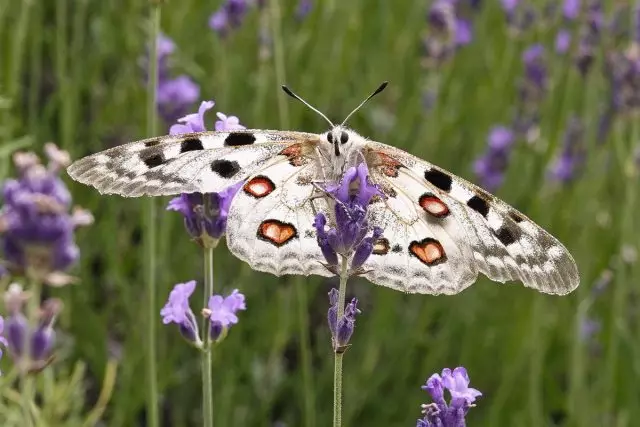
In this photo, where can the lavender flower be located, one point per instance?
(341, 329)
(205, 215)
(174, 95)
(571, 9)
(230, 15)
(563, 41)
(348, 237)
(572, 155)
(452, 414)
(177, 310)
(222, 313)
(303, 9)
(3, 340)
(490, 168)
(31, 349)
(449, 30)
(36, 225)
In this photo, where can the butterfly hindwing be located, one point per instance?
(270, 223)
(504, 244)
(204, 162)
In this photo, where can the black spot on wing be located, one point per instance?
(191, 144)
(505, 235)
(516, 216)
(151, 142)
(235, 139)
(225, 168)
(153, 160)
(479, 205)
(439, 179)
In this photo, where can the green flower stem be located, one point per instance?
(207, 363)
(337, 371)
(151, 244)
(206, 355)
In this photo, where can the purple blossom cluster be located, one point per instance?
(30, 347)
(205, 215)
(37, 224)
(341, 329)
(175, 94)
(452, 414)
(572, 155)
(229, 16)
(532, 87)
(347, 237)
(448, 29)
(221, 313)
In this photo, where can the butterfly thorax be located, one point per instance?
(341, 149)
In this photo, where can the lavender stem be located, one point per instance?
(337, 372)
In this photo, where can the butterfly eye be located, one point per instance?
(330, 138)
(344, 137)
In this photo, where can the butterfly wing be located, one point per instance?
(270, 223)
(186, 163)
(445, 229)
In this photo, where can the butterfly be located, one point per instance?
(440, 231)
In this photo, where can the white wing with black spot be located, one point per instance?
(186, 163)
(487, 234)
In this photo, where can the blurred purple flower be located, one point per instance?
(174, 95)
(571, 9)
(572, 155)
(341, 329)
(3, 340)
(177, 310)
(441, 414)
(222, 313)
(30, 348)
(490, 168)
(348, 237)
(534, 66)
(563, 41)
(36, 224)
(303, 9)
(589, 328)
(230, 15)
(509, 6)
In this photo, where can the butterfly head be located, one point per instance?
(340, 138)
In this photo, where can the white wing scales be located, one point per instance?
(505, 245)
(273, 231)
(204, 162)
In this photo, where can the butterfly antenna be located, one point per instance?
(375, 92)
(294, 96)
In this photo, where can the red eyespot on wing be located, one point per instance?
(259, 186)
(294, 153)
(428, 250)
(388, 165)
(276, 232)
(433, 205)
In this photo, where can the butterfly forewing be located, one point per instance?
(204, 162)
(505, 245)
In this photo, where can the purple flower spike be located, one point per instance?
(490, 168)
(572, 155)
(206, 224)
(352, 197)
(222, 313)
(230, 15)
(563, 41)
(571, 9)
(341, 329)
(175, 95)
(452, 414)
(36, 226)
(177, 310)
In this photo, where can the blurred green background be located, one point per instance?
(72, 72)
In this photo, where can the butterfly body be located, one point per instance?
(440, 231)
